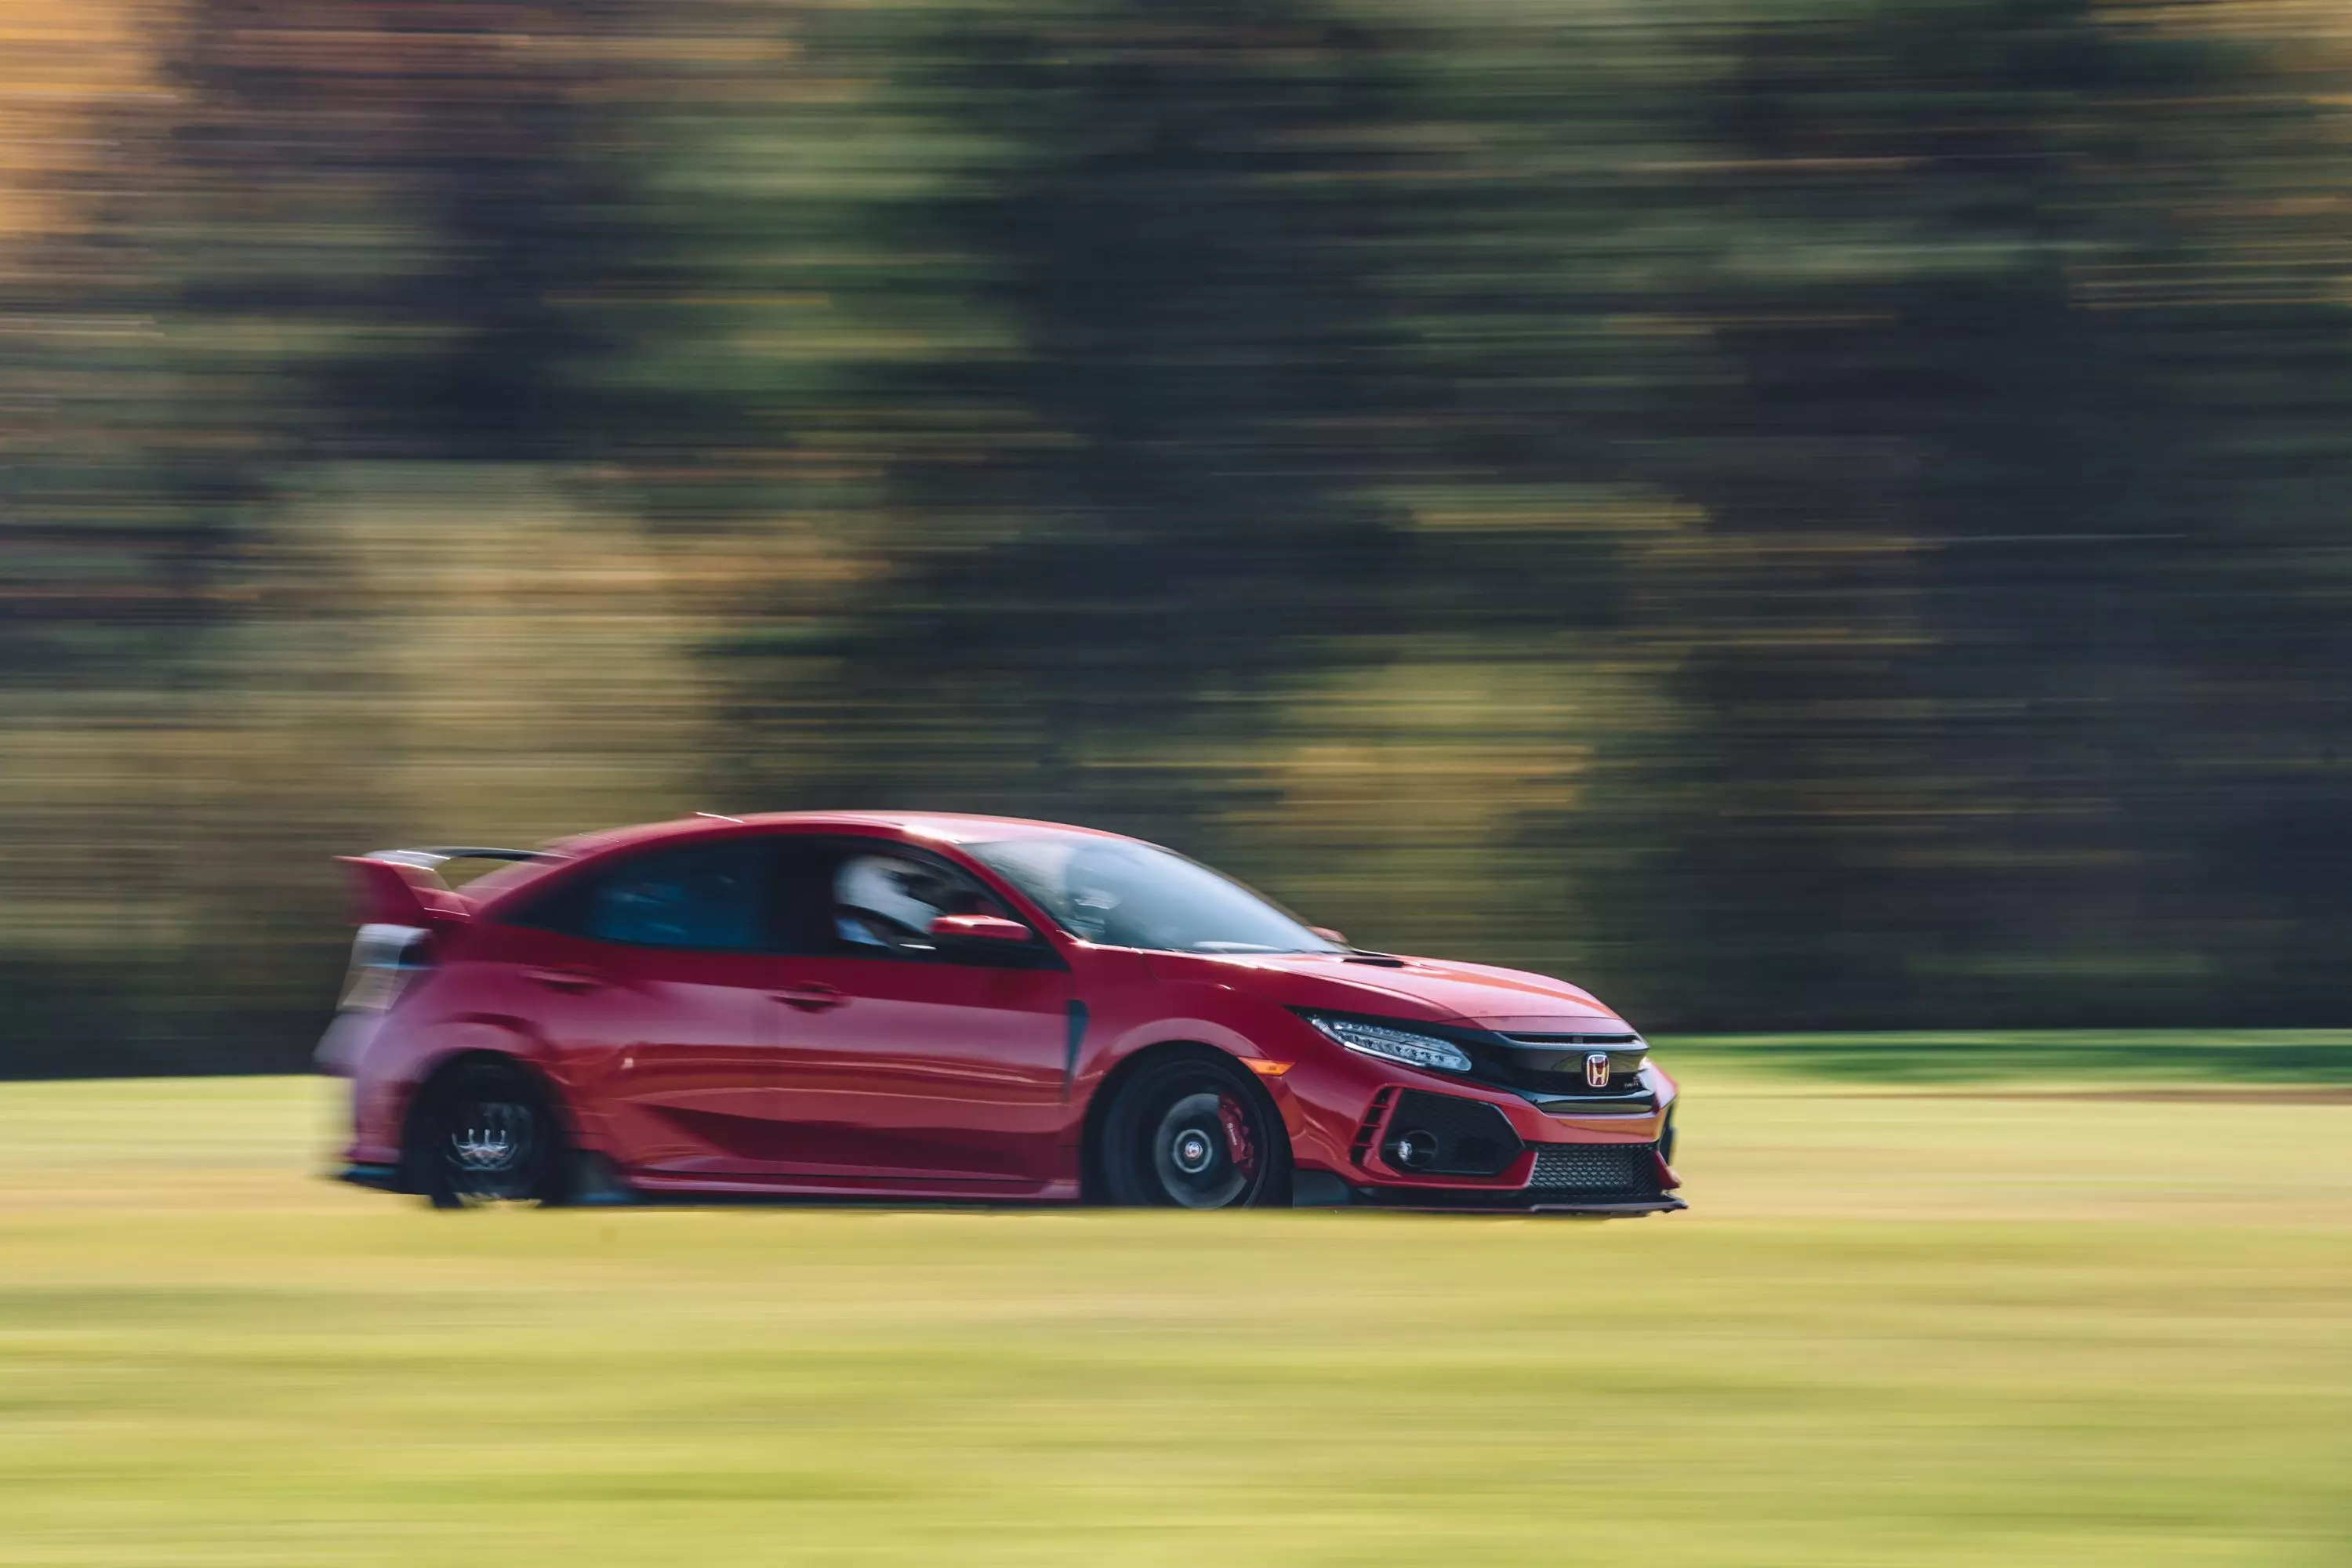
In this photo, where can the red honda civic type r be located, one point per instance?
(921, 1006)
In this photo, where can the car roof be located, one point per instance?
(953, 828)
(941, 827)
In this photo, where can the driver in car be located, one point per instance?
(887, 902)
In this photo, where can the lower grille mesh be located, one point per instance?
(1588, 1168)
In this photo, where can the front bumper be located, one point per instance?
(1492, 1150)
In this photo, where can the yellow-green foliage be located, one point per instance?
(1917, 1326)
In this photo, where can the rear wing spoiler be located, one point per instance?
(403, 887)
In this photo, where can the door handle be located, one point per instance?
(565, 979)
(810, 998)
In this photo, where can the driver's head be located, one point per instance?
(905, 892)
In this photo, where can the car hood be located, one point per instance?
(1435, 991)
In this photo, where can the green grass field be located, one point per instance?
(1943, 1324)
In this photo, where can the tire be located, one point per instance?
(1194, 1131)
(486, 1133)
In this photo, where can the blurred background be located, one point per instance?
(1794, 513)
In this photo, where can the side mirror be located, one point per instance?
(980, 928)
(1327, 934)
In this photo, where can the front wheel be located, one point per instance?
(486, 1133)
(1192, 1132)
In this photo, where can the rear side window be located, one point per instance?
(711, 897)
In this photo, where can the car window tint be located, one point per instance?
(706, 896)
(1126, 894)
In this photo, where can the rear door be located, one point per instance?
(652, 976)
(901, 1056)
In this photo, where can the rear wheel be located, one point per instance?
(486, 1133)
(1191, 1131)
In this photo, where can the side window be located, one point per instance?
(711, 897)
(884, 898)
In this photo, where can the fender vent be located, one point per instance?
(1368, 1130)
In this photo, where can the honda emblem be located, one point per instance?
(1596, 1070)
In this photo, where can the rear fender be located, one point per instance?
(500, 1039)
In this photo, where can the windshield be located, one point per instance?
(1127, 894)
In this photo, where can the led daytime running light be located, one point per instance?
(1394, 1045)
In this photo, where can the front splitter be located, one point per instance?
(1422, 1201)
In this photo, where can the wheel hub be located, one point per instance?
(490, 1138)
(1203, 1151)
(1193, 1151)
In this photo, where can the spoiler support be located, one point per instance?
(400, 886)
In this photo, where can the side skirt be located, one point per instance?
(383, 1178)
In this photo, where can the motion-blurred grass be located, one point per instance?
(2212, 1059)
(1942, 1327)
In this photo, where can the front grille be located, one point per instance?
(1628, 1169)
(1618, 1041)
(1554, 1064)
(1474, 1138)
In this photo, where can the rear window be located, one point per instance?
(711, 896)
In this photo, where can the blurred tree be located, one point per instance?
(1142, 497)
(404, 203)
(2003, 290)
(1795, 511)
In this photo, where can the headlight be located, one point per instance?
(1394, 1045)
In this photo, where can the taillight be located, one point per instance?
(385, 959)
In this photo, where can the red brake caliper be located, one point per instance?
(1237, 1138)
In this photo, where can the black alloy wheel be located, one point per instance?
(487, 1134)
(1193, 1131)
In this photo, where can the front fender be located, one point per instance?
(1231, 1021)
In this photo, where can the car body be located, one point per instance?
(928, 1006)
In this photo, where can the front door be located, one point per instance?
(901, 1057)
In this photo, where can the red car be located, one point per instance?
(919, 1007)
